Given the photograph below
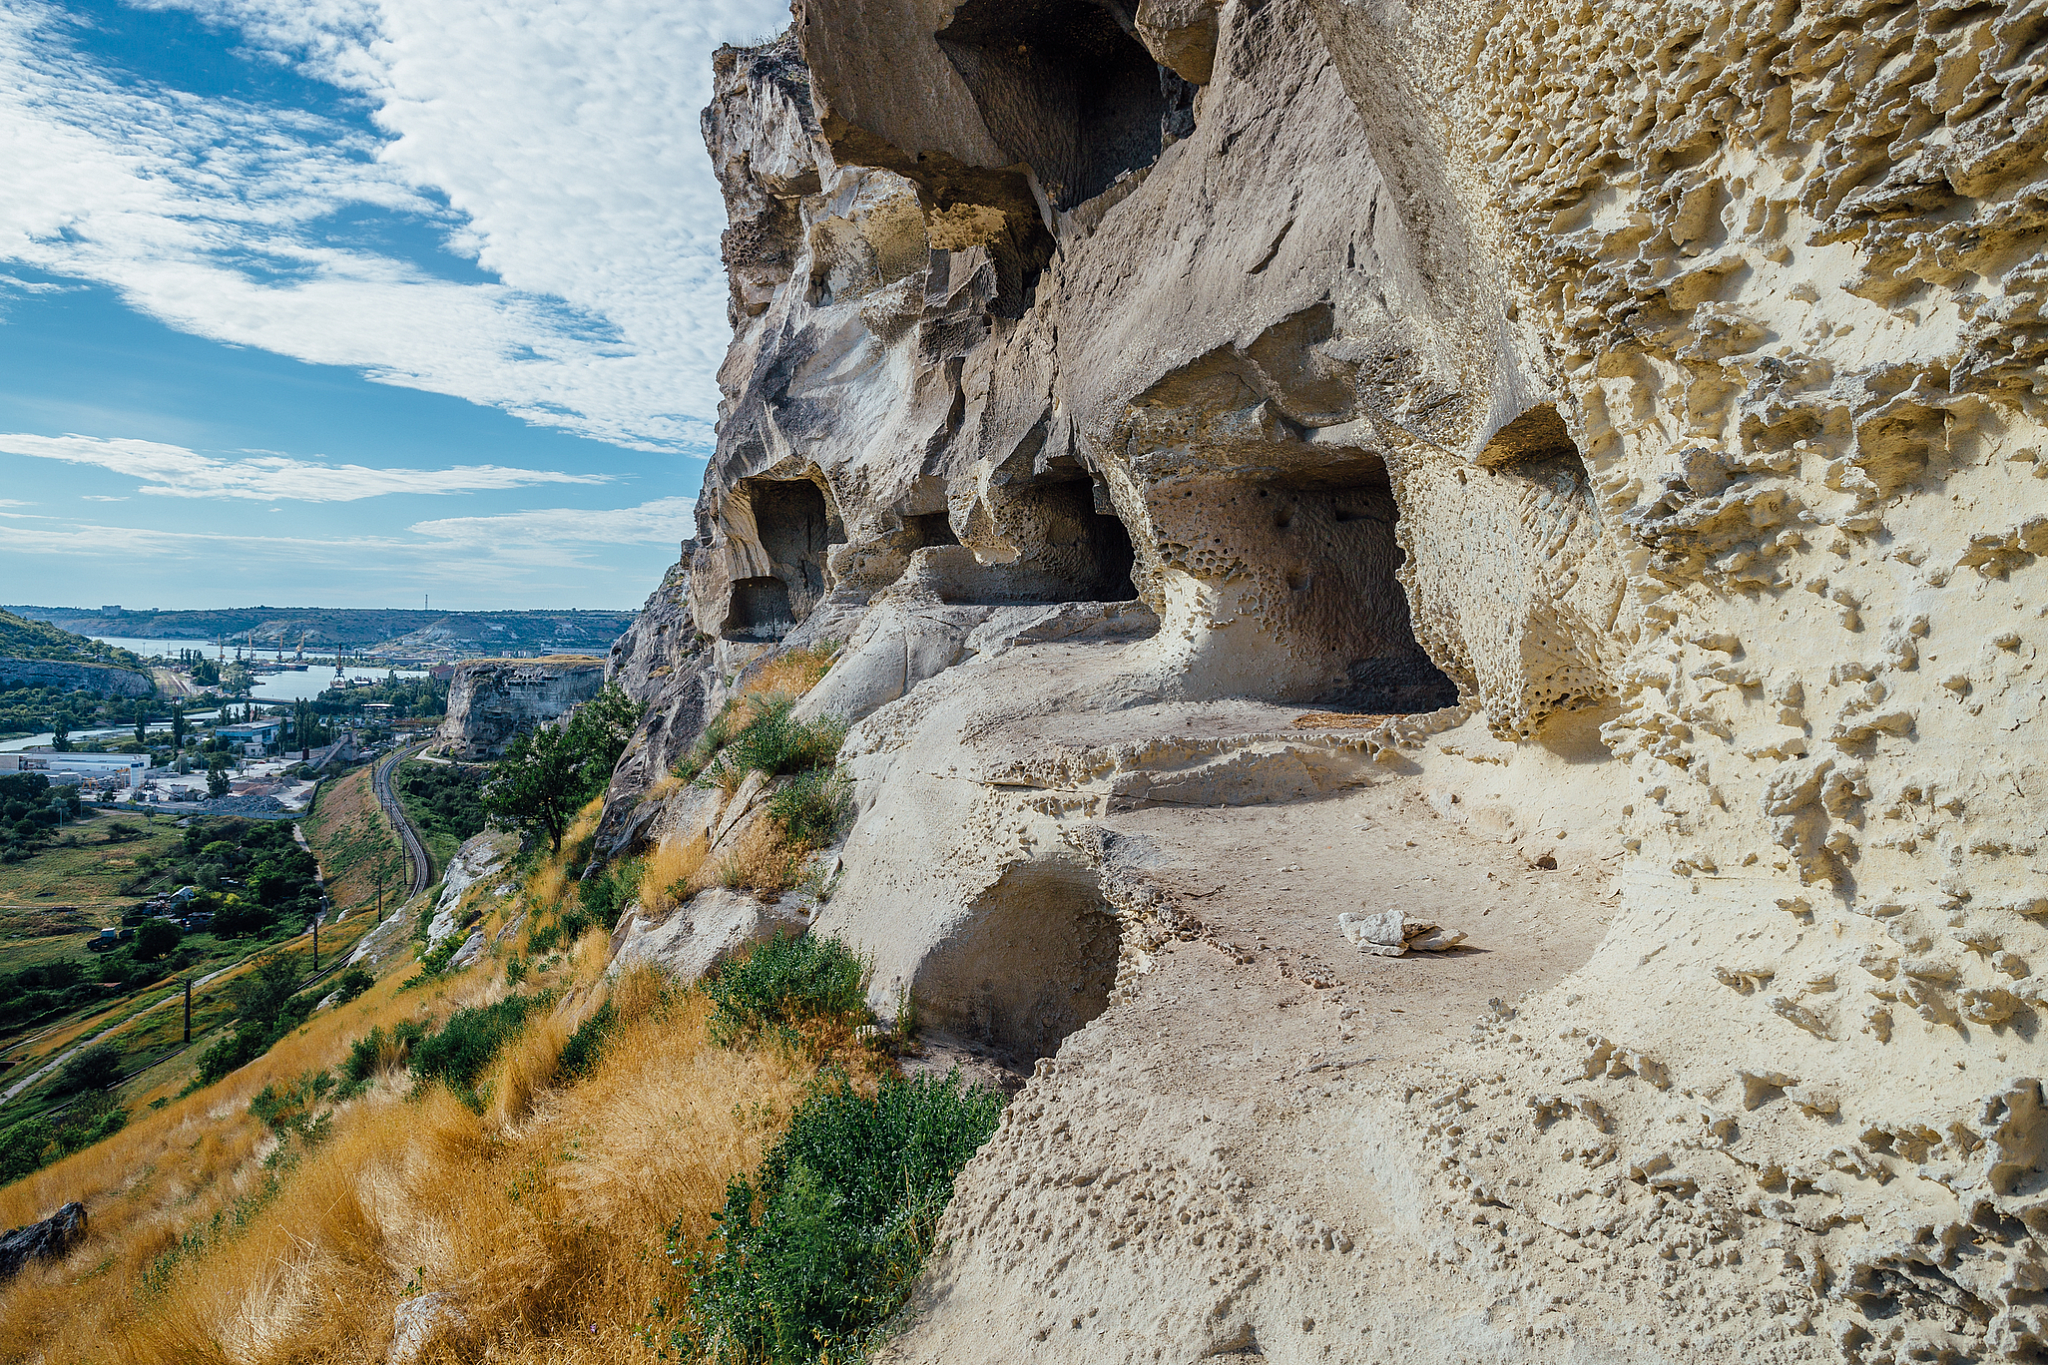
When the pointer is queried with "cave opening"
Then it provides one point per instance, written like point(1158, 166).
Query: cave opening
point(1066, 550)
point(759, 610)
point(1035, 960)
point(794, 525)
point(1066, 87)
point(1339, 558)
point(930, 528)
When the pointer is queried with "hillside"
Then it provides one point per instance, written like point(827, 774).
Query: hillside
point(22, 638)
point(415, 631)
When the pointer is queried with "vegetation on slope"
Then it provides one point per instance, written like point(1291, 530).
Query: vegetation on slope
point(502, 1155)
point(547, 774)
point(21, 638)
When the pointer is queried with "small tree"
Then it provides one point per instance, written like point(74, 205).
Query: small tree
point(142, 722)
point(216, 777)
point(60, 735)
point(96, 1068)
point(177, 725)
point(547, 774)
point(156, 938)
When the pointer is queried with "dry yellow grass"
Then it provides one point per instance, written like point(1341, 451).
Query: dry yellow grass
point(670, 872)
point(763, 860)
point(541, 1219)
point(792, 673)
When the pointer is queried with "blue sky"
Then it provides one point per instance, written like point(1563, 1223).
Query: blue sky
point(337, 302)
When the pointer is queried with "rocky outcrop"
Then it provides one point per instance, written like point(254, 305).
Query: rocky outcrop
point(1622, 426)
point(491, 700)
point(104, 679)
point(52, 1239)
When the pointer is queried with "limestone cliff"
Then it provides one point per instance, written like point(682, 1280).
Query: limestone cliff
point(491, 700)
point(1620, 428)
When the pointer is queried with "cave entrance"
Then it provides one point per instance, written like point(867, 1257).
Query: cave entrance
point(1064, 548)
point(794, 526)
point(1066, 87)
point(1034, 961)
point(759, 610)
point(1339, 557)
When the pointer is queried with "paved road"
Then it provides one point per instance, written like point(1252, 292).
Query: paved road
point(415, 847)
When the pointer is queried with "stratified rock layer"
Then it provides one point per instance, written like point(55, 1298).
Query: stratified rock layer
point(1638, 411)
point(491, 700)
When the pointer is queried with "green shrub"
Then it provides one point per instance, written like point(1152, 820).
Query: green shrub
point(783, 982)
point(469, 1040)
point(96, 1068)
point(812, 1256)
point(365, 1052)
point(774, 742)
point(603, 894)
point(353, 983)
point(586, 1045)
point(288, 1108)
point(34, 1143)
point(542, 939)
point(810, 806)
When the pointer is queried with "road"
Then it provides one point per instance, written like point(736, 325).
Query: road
point(415, 847)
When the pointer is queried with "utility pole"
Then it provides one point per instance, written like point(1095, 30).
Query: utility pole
point(188, 1009)
point(316, 945)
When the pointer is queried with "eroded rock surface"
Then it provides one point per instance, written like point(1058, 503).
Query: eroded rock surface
point(491, 700)
point(1620, 429)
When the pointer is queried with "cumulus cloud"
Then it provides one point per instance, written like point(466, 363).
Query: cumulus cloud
point(556, 144)
point(173, 471)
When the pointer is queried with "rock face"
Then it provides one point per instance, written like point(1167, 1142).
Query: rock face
point(51, 1239)
point(1624, 426)
point(101, 678)
point(491, 700)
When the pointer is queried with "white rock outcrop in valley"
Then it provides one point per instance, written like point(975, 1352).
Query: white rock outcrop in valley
point(491, 700)
point(1586, 457)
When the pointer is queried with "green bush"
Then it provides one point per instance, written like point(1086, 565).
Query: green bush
point(586, 1045)
point(363, 1054)
point(782, 983)
point(289, 1107)
point(810, 806)
point(602, 895)
point(812, 1256)
point(96, 1068)
point(353, 983)
point(774, 742)
point(469, 1040)
point(32, 1144)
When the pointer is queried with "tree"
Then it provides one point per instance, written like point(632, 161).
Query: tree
point(60, 735)
point(142, 722)
point(547, 774)
point(96, 1068)
point(177, 725)
point(155, 938)
point(216, 776)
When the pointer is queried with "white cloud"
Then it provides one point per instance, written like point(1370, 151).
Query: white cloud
point(563, 136)
point(100, 497)
point(495, 550)
point(663, 520)
point(14, 502)
point(173, 471)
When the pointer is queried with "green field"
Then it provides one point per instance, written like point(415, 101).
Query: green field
point(77, 889)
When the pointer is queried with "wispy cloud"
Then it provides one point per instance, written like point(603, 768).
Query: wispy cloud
point(665, 519)
point(493, 548)
point(557, 145)
point(173, 471)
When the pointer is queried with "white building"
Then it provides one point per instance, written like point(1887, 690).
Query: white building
point(125, 770)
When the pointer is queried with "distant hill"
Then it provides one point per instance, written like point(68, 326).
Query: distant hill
point(466, 632)
point(21, 638)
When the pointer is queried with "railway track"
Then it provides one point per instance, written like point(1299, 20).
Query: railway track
point(415, 847)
